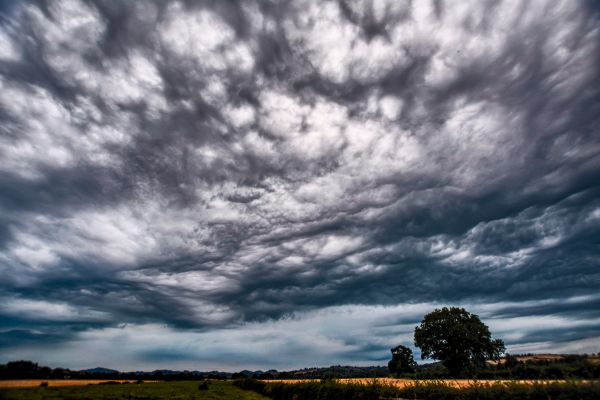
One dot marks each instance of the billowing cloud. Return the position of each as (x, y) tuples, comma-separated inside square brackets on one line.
[(255, 170)]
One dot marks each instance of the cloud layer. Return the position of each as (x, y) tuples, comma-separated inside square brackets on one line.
[(180, 172)]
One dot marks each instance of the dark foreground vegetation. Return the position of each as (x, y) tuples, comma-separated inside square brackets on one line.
[(333, 390), (205, 390)]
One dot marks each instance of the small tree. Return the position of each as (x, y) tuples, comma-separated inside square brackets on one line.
[(458, 338), (402, 360)]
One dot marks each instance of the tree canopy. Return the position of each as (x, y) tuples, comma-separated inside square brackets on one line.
[(458, 338)]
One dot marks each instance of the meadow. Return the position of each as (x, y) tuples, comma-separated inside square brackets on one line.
[(26, 383), (185, 390)]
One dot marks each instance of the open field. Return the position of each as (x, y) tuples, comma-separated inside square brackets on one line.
[(399, 383), (225, 390), (217, 390), (23, 383)]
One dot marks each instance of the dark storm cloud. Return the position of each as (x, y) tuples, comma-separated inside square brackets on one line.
[(208, 165), (18, 337)]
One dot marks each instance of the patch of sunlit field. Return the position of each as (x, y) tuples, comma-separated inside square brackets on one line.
[(217, 390), (22, 383), (455, 383)]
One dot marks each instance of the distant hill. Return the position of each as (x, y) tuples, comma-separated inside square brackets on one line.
[(337, 371), (100, 370)]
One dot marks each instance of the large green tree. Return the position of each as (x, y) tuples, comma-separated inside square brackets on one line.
[(458, 338)]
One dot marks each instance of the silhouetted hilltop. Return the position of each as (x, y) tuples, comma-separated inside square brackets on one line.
[(100, 370)]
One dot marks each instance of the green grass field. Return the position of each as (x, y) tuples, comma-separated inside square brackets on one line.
[(217, 390)]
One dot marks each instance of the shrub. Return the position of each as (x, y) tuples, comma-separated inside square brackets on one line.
[(250, 384), (203, 385), (553, 373)]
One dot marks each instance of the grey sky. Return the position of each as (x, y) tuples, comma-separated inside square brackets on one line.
[(285, 184)]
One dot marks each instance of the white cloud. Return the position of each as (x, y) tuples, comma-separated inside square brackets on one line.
[(241, 116), (34, 252), (195, 32), (337, 47), (49, 311), (203, 36), (198, 281), (8, 49), (74, 24), (282, 114), (391, 107), (42, 134), (131, 80), (73, 30)]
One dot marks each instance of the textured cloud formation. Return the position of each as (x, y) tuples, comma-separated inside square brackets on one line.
[(204, 180)]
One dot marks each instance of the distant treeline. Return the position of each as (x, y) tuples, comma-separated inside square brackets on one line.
[(332, 390), (31, 370), (338, 371)]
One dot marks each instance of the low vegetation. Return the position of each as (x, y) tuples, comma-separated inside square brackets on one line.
[(521, 367), (334, 390), (205, 390)]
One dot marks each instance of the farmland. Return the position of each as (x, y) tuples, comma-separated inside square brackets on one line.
[(301, 389), (454, 383), (394, 382), (25, 383), (216, 390)]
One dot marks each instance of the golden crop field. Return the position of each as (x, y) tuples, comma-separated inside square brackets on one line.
[(402, 383)]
